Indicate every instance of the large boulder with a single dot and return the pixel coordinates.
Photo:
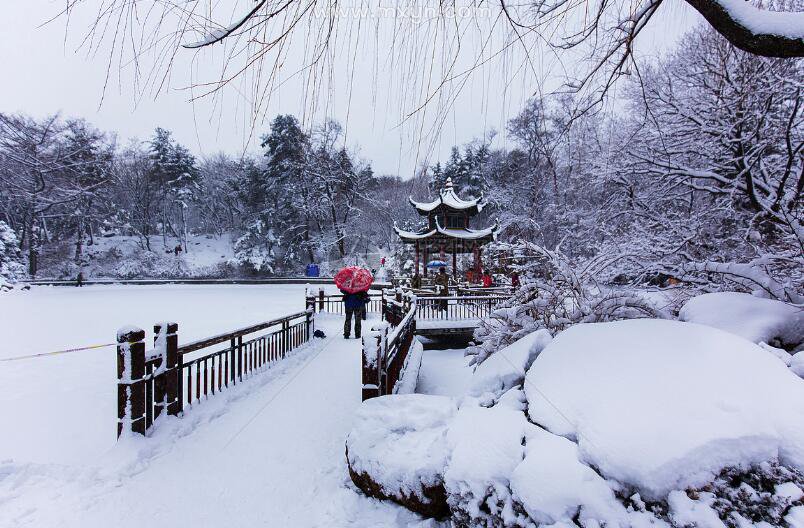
(664, 405)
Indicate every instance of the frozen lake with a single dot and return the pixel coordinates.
(62, 408)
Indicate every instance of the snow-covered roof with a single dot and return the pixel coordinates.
(461, 234)
(448, 198)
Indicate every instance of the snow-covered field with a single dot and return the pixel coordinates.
(73, 395)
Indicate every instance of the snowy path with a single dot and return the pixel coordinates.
(274, 458)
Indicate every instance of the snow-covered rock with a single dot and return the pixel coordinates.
(552, 484)
(664, 405)
(506, 368)
(486, 445)
(797, 364)
(754, 318)
(397, 450)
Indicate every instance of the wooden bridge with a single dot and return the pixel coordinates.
(170, 379)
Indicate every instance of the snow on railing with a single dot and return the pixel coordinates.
(386, 347)
(167, 378)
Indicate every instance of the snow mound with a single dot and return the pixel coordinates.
(754, 318)
(552, 484)
(797, 364)
(397, 450)
(487, 444)
(506, 368)
(663, 405)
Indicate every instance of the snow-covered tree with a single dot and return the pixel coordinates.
(11, 265)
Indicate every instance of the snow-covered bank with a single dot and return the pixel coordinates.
(73, 395)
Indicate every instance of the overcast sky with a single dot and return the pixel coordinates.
(45, 71)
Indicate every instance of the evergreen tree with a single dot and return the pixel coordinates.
(11, 266)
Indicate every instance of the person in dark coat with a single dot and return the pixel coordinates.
(354, 304)
(515, 279)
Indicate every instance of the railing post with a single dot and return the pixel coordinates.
(371, 363)
(167, 389)
(310, 322)
(130, 385)
(320, 299)
(285, 336)
(239, 345)
(309, 300)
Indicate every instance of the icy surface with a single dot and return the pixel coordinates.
(444, 372)
(665, 405)
(754, 318)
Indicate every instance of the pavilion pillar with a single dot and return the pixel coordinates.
(455, 259)
(416, 271)
(426, 258)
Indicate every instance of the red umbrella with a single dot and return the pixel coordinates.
(353, 279)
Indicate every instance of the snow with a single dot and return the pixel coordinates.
(754, 318)
(663, 405)
(74, 393)
(789, 24)
(444, 372)
(507, 367)
(446, 324)
(269, 451)
(552, 484)
(687, 512)
(486, 444)
(797, 364)
(399, 442)
(410, 371)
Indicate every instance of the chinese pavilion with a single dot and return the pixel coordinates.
(447, 229)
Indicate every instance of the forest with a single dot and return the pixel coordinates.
(696, 176)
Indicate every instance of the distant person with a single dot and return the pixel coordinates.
(79, 281)
(470, 276)
(177, 250)
(416, 283)
(354, 304)
(442, 283)
(487, 280)
(515, 279)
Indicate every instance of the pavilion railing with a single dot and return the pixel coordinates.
(168, 378)
(467, 307)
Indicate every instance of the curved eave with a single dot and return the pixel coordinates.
(451, 202)
(410, 236)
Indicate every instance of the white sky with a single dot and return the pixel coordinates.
(45, 72)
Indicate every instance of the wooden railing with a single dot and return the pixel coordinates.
(167, 377)
(386, 347)
(457, 308)
(333, 302)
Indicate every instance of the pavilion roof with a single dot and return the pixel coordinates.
(450, 200)
(489, 233)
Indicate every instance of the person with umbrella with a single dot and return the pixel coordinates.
(354, 283)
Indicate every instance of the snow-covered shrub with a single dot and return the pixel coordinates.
(555, 294)
(507, 367)
(11, 266)
(759, 320)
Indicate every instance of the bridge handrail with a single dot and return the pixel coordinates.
(162, 379)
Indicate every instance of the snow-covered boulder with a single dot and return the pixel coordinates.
(506, 368)
(486, 445)
(397, 450)
(664, 405)
(754, 318)
(553, 485)
(797, 363)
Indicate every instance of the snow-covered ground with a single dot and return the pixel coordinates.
(444, 372)
(267, 453)
(73, 395)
